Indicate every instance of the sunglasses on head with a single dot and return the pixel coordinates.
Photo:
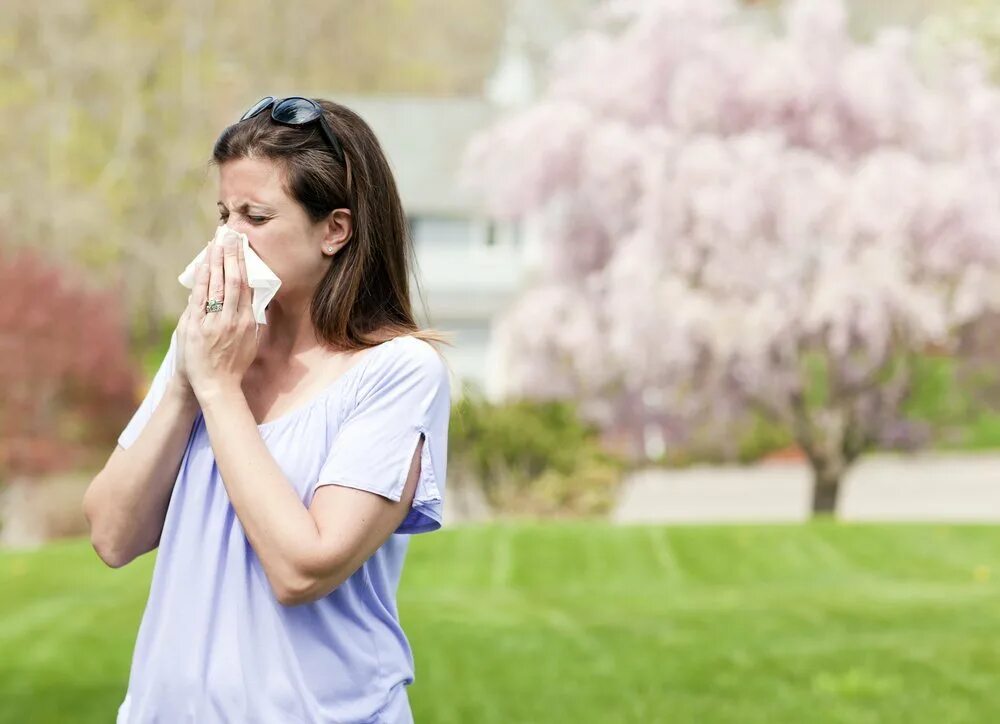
(297, 111)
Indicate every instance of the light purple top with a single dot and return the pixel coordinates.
(215, 645)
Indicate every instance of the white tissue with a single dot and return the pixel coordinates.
(262, 280)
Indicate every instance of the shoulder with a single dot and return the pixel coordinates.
(416, 352)
(405, 361)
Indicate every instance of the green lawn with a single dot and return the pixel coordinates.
(592, 623)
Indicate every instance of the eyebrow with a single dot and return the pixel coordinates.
(244, 206)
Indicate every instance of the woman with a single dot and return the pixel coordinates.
(279, 473)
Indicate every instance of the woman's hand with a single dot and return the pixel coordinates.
(218, 347)
(180, 378)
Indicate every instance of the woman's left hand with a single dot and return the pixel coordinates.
(220, 346)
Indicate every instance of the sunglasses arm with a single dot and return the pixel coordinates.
(331, 139)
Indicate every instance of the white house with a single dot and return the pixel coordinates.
(470, 266)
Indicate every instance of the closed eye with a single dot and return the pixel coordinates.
(253, 219)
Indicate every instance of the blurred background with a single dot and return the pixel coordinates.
(724, 284)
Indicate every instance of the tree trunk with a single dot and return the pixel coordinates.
(826, 489)
(823, 435)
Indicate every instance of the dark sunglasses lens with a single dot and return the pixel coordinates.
(296, 110)
(258, 107)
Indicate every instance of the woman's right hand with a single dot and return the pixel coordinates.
(180, 378)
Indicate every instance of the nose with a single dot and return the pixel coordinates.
(240, 226)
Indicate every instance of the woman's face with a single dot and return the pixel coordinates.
(252, 201)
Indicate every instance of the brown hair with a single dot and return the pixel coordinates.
(364, 299)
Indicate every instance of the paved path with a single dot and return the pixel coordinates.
(931, 486)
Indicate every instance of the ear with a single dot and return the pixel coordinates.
(339, 229)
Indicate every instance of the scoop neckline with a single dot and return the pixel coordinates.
(326, 391)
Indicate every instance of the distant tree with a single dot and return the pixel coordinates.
(66, 380)
(972, 25)
(126, 98)
(736, 219)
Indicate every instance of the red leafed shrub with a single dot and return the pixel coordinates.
(67, 382)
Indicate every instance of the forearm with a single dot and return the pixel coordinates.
(126, 503)
(278, 526)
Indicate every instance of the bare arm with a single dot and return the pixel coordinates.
(126, 503)
(305, 552)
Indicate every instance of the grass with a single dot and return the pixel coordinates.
(577, 622)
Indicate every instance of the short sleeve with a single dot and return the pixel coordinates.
(153, 396)
(401, 397)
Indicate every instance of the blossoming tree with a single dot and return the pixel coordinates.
(737, 218)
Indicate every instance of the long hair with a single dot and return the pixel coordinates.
(364, 299)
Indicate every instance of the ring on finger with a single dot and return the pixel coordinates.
(213, 305)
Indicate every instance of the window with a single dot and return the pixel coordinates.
(443, 232)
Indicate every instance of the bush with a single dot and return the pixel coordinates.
(953, 398)
(67, 385)
(751, 438)
(952, 404)
(531, 457)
